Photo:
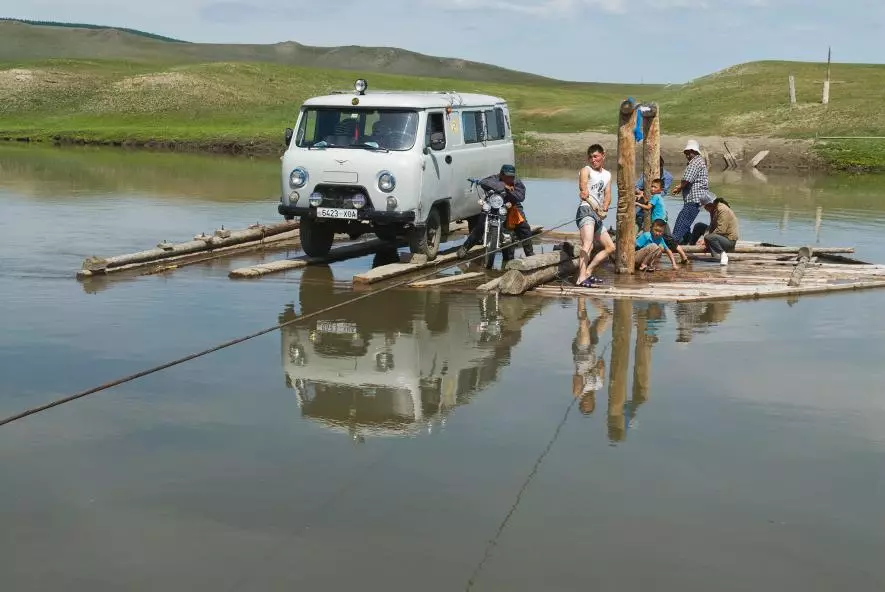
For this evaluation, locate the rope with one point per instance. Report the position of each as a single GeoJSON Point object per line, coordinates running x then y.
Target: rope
{"type": "Point", "coordinates": [226, 344]}
{"type": "Point", "coordinates": [493, 542]}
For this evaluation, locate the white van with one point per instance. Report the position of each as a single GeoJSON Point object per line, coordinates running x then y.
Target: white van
{"type": "Point", "coordinates": [392, 163]}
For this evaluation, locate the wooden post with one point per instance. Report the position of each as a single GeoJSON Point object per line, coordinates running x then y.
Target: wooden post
{"type": "Point", "coordinates": [826, 98]}
{"type": "Point", "coordinates": [792, 90]}
{"type": "Point", "coordinates": [626, 217]}
{"type": "Point", "coordinates": [620, 364]}
{"type": "Point", "coordinates": [651, 154]}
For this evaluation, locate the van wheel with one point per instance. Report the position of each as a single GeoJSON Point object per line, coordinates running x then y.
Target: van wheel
{"type": "Point", "coordinates": [426, 240]}
{"type": "Point", "coordinates": [316, 237]}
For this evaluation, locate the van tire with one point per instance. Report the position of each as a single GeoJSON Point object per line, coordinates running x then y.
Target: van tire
{"type": "Point", "coordinates": [425, 240]}
{"type": "Point", "coordinates": [316, 237]}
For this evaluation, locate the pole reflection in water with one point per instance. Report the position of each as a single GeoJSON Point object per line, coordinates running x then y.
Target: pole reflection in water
{"type": "Point", "coordinates": [589, 357]}
{"type": "Point", "coordinates": [396, 364]}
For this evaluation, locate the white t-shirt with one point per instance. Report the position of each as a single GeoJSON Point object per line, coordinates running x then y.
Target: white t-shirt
{"type": "Point", "coordinates": [597, 181]}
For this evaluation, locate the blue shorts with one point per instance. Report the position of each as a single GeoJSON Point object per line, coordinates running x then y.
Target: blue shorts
{"type": "Point", "coordinates": [585, 215]}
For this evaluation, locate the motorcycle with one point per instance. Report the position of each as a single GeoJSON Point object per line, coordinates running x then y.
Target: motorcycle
{"type": "Point", "coordinates": [495, 233]}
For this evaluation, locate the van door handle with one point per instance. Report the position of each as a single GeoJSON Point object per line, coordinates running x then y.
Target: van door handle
{"type": "Point", "coordinates": [448, 159]}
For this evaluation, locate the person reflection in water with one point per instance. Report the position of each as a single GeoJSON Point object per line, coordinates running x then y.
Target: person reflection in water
{"type": "Point", "coordinates": [589, 374]}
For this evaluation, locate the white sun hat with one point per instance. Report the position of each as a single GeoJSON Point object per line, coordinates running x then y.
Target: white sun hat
{"type": "Point", "coordinates": [692, 145]}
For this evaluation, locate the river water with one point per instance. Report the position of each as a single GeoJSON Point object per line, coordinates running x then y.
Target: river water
{"type": "Point", "coordinates": [418, 439]}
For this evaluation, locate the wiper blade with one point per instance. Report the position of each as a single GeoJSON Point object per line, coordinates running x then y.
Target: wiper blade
{"type": "Point", "coordinates": [370, 146]}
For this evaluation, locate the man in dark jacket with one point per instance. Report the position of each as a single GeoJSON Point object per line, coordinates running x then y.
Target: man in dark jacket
{"type": "Point", "coordinates": [513, 191]}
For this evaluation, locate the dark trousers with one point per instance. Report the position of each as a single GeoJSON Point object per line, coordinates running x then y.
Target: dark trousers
{"type": "Point", "coordinates": [684, 220]}
{"type": "Point", "coordinates": [716, 243]}
{"type": "Point", "coordinates": [522, 231]}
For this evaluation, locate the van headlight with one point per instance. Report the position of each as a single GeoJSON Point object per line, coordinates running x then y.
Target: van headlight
{"type": "Point", "coordinates": [496, 201]}
{"type": "Point", "coordinates": [386, 181]}
{"type": "Point", "coordinates": [297, 178]}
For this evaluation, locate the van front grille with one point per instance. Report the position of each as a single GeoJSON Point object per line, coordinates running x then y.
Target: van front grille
{"type": "Point", "coordinates": [338, 196]}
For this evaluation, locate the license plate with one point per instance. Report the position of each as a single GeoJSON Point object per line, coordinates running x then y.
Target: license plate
{"type": "Point", "coordinates": [336, 327]}
{"type": "Point", "coordinates": [340, 213]}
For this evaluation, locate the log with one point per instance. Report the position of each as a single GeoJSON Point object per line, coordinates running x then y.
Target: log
{"type": "Point", "coordinates": [346, 252]}
{"type": "Point", "coordinates": [223, 238]}
{"type": "Point", "coordinates": [538, 261]}
{"type": "Point", "coordinates": [758, 158]}
{"type": "Point", "coordinates": [515, 282]}
{"type": "Point", "coordinates": [626, 210]}
{"type": "Point", "coordinates": [490, 286]}
{"type": "Point", "coordinates": [651, 157]}
{"type": "Point", "coordinates": [449, 279]}
{"type": "Point", "coordinates": [799, 270]}
{"type": "Point", "coordinates": [284, 240]}
{"type": "Point", "coordinates": [773, 250]}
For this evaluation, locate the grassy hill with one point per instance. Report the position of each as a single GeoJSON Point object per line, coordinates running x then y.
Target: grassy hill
{"type": "Point", "coordinates": [204, 102]}
{"type": "Point", "coordinates": [22, 41]}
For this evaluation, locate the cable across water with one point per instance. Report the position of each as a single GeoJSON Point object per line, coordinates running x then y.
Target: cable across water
{"type": "Point", "coordinates": [226, 344]}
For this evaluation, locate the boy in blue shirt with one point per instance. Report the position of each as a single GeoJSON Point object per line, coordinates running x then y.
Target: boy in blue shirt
{"type": "Point", "coordinates": [655, 207]}
{"type": "Point", "coordinates": [650, 246]}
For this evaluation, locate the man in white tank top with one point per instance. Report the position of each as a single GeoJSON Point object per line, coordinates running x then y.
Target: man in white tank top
{"type": "Point", "coordinates": [594, 184]}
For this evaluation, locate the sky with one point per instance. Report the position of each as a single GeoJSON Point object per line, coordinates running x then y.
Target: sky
{"type": "Point", "coordinates": [651, 41]}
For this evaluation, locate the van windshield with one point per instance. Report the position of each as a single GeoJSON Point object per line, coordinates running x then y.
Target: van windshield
{"type": "Point", "coordinates": [337, 127]}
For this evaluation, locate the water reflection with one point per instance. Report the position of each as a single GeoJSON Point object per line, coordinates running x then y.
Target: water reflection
{"type": "Point", "coordinates": [395, 366]}
{"type": "Point", "coordinates": [589, 356]}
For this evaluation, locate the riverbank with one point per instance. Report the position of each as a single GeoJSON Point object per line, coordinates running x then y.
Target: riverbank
{"type": "Point", "coordinates": [552, 149]}
{"type": "Point", "coordinates": [243, 108]}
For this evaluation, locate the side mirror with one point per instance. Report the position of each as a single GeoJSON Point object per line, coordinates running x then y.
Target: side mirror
{"type": "Point", "coordinates": [288, 138]}
{"type": "Point", "coordinates": [437, 140]}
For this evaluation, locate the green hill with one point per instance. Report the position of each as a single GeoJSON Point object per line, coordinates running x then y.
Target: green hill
{"type": "Point", "coordinates": [212, 96]}
{"type": "Point", "coordinates": [22, 41]}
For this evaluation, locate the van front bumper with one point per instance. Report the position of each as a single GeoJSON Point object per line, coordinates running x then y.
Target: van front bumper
{"type": "Point", "coordinates": [368, 215]}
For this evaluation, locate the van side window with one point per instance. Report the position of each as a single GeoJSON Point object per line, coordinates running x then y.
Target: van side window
{"type": "Point", "coordinates": [499, 115]}
{"type": "Point", "coordinates": [472, 123]}
{"type": "Point", "coordinates": [435, 125]}
{"type": "Point", "coordinates": [493, 124]}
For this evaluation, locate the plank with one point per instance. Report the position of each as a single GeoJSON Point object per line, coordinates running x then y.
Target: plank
{"type": "Point", "coordinates": [449, 279]}
{"type": "Point", "coordinates": [359, 249]}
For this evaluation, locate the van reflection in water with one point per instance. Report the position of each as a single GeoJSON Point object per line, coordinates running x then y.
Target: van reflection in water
{"type": "Point", "coordinates": [398, 363]}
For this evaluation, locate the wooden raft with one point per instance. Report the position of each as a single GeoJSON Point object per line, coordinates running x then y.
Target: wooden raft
{"type": "Point", "coordinates": [737, 281]}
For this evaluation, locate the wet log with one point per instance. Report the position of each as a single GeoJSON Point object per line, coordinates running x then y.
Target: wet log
{"type": "Point", "coordinates": [515, 282]}
{"type": "Point", "coordinates": [346, 252]}
{"type": "Point", "coordinates": [221, 238]}
{"type": "Point", "coordinates": [449, 279]}
{"type": "Point", "coordinates": [490, 286]}
{"type": "Point", "coordinates": [775, 250]}
{"type": "Point", "coordinates": [626, 216]}
{"type": "Point", "coordinates": [799, 270]}
{"type": "Point", "coordinates": [539, 261]}
{"type": "Point", "coordinates": [651, 157]}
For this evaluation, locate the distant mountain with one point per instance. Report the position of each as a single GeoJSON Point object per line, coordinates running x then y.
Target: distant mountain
{"type": "Point", "coordinates": [32, 40]}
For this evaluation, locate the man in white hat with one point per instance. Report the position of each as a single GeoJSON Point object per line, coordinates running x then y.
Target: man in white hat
{"type": "Point", "coordinates": [694, 185]}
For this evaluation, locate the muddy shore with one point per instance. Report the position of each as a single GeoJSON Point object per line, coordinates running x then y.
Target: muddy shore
{"type": "Point", "coordinates": [783, 154]}
{"type": "Point", "coordinates": [534, 149]}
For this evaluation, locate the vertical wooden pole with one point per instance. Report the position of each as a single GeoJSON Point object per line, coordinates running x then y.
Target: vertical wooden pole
{"type": "Point", "coordinates": [622, 326]}
{"type": "Point", "coordinates": [792, 90]}
{"type": "Point", "coordinates": [651, 155]}
{"type": "Point", "coordinates": [626, 217]}
{"type": "Point", "coordinates": [826, 98]}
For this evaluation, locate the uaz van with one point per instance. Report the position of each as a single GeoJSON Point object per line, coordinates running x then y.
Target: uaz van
{"type": "Point", "coordinates": [392, 163]}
